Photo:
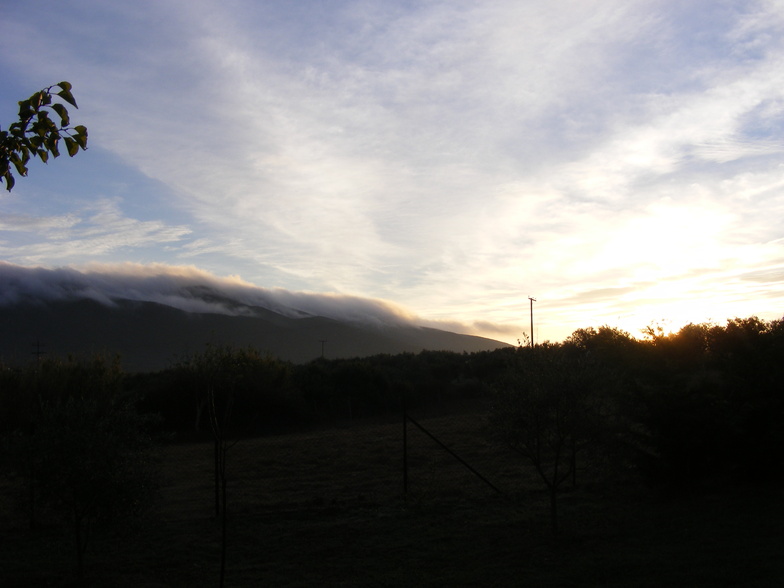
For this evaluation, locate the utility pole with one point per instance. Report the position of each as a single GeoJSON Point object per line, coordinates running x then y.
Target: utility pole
{"type": "Point", "coordinates": [532, 319]}
{"type": "Point", "coordinates": [322, 341]}
{"type": "Point", "coordinates": [38, 353]}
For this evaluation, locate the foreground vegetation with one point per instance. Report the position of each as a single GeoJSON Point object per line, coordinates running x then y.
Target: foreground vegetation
{"type": "Point", "coordinates": [617, 462]}
{"type": "Point", "coordinates": [325, 508]}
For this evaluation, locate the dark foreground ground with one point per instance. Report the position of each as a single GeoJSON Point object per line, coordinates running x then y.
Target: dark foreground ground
{"type": "Point", "coordinates": [327, 509]}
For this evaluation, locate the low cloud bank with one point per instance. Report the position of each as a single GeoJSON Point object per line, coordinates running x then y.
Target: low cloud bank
{"type": "Point", "coordinates": [192, 290]}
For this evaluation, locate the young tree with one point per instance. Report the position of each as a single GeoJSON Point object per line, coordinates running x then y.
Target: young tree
{"type": "Point", "coordinates": [37, 134]}
{"type": "Point", "coordinates": [219, 372]}
{"type": "Point", "coordinates": [547, 410]}
{"type": "Point", "coordinates": [89, 452]}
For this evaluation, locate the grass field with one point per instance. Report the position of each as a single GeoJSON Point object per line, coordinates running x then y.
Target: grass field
{"type": "Point", "coordinates": [326, 508]}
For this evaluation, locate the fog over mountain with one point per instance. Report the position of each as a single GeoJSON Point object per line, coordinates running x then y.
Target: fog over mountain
{"type": "Point", "coordinates": [185, 288]}
{"type": "Point", "coordinates": [153, 314]}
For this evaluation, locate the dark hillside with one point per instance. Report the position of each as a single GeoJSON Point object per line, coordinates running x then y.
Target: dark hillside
{"type": "Point", "coordinates": [151, 336]}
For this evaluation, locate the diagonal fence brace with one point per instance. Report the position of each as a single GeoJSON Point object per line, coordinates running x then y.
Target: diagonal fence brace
{"type": "Point", "coordinates": [453, 454]}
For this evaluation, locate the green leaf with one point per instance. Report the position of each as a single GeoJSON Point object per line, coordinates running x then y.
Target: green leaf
{"type": "Point", "coordinates": [17, 129]}
{"type": "Point", "coordinates": [39, 128]}
{"type": "Point", "coordinates": [63, 112]}
{"type": "Point", "coordinates": [43, 154]}
{"type": "Point", "coordinates": [65, 86]}
{"type": "Point", "coordinates": [81, 136]}
{"type": "Point", "coordinates": [9, 181]}
{"type": "Point", "coordinates": [66, 95]}
{"type": "Point", "coordinates": [18, 164]}
{"type": "Point", "coordinates": [51, 145]}
{"type": "Point", "coordinates": [25, 110]}
{"type": "Point", "coordinates": [71, 145]}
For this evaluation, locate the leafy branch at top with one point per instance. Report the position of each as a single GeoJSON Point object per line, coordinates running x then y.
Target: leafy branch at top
{"type": "Point", "coordinates": [38, 134]}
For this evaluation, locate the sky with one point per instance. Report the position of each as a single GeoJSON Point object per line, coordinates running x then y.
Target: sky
{"type": "Point", "coordinates": [622, 162]}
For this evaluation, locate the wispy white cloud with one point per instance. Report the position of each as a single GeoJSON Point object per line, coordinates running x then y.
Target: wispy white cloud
{"type": "Point", "coordinates": [97, 231]}
{"type": "Point", "coordinates": [455, 157]}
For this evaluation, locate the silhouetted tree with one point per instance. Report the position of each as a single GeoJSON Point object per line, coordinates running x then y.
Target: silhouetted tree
{"type": "Point", "coordinates": [220, 374]}
{"type": "Point", "coordinates": [89, 451]}
{"type": "Point", "coordinates": [614, 348]}
{"type": "Point", "coordinates": [708, 405]}
{"type": "Point", "coordinates": [547, 409]}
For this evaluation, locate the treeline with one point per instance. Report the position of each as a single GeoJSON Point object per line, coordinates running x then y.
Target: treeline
{"type": "Point", "coordinates": [700, 408]}
{"type": "Point", "coordinates": [696, 407]}
{"type": "Point", "coordinates": [267, 395]}
{"type": "Point", "coordinates": [702, 402]}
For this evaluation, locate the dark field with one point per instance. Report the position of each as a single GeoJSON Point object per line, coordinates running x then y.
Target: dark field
{"type": "Point", "coordinates": [326, 508]}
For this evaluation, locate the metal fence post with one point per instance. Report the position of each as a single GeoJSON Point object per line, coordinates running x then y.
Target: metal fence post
{"type": "Point", "coordinates": [405, 449]}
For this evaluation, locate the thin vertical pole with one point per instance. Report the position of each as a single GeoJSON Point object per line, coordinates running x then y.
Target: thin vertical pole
{"type": "Point", "coordinates": [217, 467]}
{"type": "Point", "coordinates": [532, 319]}
{"type": "Point", "coordinates": [405, 449]}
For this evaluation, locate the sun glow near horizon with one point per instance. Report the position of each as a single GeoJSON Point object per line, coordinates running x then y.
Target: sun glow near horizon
{"type": "Point", "coordinates": [441, 156]}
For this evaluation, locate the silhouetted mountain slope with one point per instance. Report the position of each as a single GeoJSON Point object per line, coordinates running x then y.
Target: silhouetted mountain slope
{"type": "Point", "coordinates": [151, 336]}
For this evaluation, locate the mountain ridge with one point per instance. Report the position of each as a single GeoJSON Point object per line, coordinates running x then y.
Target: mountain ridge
{"type": "Point", "coordinates": [150, 335]}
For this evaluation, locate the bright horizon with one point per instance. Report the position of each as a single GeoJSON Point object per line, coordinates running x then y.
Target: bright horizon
{"type": "Point", "coordinates": [619, 161]}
